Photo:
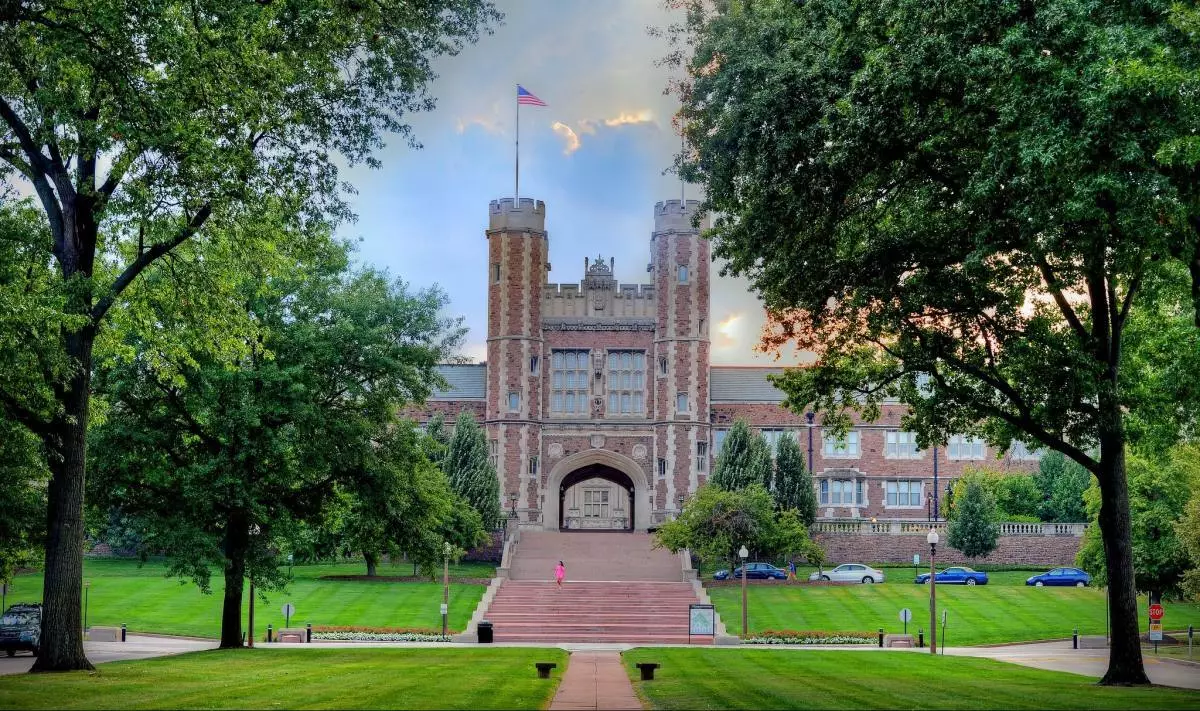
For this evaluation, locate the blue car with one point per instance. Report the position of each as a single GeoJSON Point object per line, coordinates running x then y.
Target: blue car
{"type": "Point", "coordinates": [1061, 576]}
{"type": "Point", "coordinates": [958, 575]}
{"type": "Point", "coordinates": [755, 571]}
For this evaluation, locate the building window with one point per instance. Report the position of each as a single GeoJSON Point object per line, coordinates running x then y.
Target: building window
{"type": "Point", "coordinates": [662, 366]}
{"type": "Point", "coordinates": [535, 364]}
{"type": "Point", "coordinates": [901, 445]}
{"type": "Point", "coordinates": [533, 466]}
{"type": "Point", "coordinates": [494, 453]}
{"type": "Point", "coordinates": [701, 456]}
{"type": "Point", "coordinates": [701, 329]}
{"type": "Point", "coordinates": [662, 469]}
{"type": "Point", "coordinates": [719, 441]}
{"type": "Point", "coordinates": [682, 273]}
{"type": "Point", "coordinates": [681, 403]}
{"type": "Point", "coordinates": [841, 492]}
{"type": "Point", "coordinates": [772, 436]}
{"type": "Point", "coordinates": [903, 493]}
{"type": "Point", "coordinates": [495, 272]}
{"type": "Point", "coordinates": [514, 401]}
{"type": "Point", "coordinates": [845, 449]}
{"type": "Point", "coordinates": [569, 382]}
{"type": "Point", "coordinates": [1021, 453]}
{"type": "Point", "coordinates": [626, 382]}
{"type": "Point", "coordinates": [964, 447]}
{"type": "Point", "coordinates": [595, 503]}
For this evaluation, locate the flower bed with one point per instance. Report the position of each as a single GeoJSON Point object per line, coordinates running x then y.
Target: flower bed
{"type": "Point", "coordinates": [342, 633]}
{"type": "Point", "coordinates": [811, 637]}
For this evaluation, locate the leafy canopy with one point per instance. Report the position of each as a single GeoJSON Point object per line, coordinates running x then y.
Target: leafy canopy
{"type": "Point", "coordinates": [973, 530]}
{"type": "Point", "coordinates": [745, 459]}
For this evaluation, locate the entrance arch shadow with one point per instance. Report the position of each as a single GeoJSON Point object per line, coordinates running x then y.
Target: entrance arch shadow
{"type": "Point", "coordinates": [604, 464]}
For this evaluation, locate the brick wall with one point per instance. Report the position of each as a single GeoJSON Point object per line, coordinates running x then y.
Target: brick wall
{"type": "Point", "coordinates": [1038, 550]}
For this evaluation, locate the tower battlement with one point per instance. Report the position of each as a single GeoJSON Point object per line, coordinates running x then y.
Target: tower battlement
{"type": "Point", "coordinates": [507, 214]}
{"type": "Point", "coordinates": [676, 215]}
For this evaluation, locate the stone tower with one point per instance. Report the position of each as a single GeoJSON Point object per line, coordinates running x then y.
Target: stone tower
{"type": "Point", "coordinates": [518, 250]}
{"type": "Point", "coordinates": [681, 348]}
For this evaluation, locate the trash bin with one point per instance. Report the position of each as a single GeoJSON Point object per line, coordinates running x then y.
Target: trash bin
{"type": "Point", "coordinates": [485, 632]}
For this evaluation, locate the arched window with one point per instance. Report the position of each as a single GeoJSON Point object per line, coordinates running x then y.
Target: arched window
{"type": "Point", "coordinates": [683, 274]}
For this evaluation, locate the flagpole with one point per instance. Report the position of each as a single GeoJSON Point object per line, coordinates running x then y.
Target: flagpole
{"type": "Point", "coordinates": [517, 172]}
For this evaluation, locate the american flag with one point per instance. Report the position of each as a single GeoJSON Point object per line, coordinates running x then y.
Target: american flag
{"type": "Point", "coordinates": [524, 97]}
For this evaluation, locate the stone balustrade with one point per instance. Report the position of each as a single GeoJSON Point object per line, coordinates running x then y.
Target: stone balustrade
{"type": "Point", "coordinates": [908, 527]}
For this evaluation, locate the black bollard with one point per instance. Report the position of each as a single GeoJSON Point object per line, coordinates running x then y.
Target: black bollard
{"type": "Point", "coordinates": [122, 631]}
{"type": "Point", "coordinates": [921, 638]}
{"type": "Point", "coordinates": [1075, 638]}
{"type": "Point", "coordinates": [881, 637]}
{"type": "Point", "coordinates": [270, 635]}
{"type": "Point", "coordinates": [308, 632]}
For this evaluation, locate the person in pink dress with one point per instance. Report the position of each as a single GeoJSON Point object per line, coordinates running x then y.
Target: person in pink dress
{"type": "Point", "coordinates": [559, 573]}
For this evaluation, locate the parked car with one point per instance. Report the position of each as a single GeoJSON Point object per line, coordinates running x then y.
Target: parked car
{"type": "Point", "coordinates": [755, 571]}
{"type": "Point", "coordinates": [958, 575]}
{"type": "Point", "coordinates": [1061, 576]}
{"type": "Point", "coordinates": [21, 628]}
{"type": "Point", "coordinates": [850, 573]}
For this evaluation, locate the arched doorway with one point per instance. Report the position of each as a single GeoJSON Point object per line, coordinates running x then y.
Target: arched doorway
{"type": "Point", "coordinates": [596, 497]}
{"type": "Point", "coordinates": [639, 509]}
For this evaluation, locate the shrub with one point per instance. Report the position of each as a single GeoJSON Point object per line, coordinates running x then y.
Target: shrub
{"type": "Point", "coordinates": [811, 637]}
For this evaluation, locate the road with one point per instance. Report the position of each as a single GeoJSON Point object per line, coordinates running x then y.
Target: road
{"type": "Point", "coordinates": [134, 647]}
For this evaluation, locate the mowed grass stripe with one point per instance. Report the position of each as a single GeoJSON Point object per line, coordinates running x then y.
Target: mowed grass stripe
{"type": "Point", "coordinates": [495, 678]}
{"type": "Point", "coordinates": [976, 615]}
{"type": "Point", "coordinates": [783, 679]}
{"type": "Point", "coordinates": [144, 600]}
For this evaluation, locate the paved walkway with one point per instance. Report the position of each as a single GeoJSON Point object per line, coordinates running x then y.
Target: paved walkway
{"type": "Point", "coordinates": [135, 647]}
{"type": "Point", "coordinates": [595, 680]}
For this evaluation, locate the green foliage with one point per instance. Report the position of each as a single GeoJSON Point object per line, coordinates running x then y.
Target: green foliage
{"type": "Point", "coordinates": [1016, 496]}
{"type": "Point", "coordinates": [745, 459]}
{"type": "Point", "coordinates": [469, 468]}
{"type": "Point", "coordinates": [1187, 529]}
{"type": "Point", "coordinates": [1061, 482]}
{"type": "Point", "coordinates": [437, 438]}
{"type": "Point", "coordinates": [793, 482]}
{"type": "Point", "coordinates": [1159, 488]}
{"type": "Point", "coordinates": [715, 522]}
{"type": "Point", "coordinates": [973, 530]}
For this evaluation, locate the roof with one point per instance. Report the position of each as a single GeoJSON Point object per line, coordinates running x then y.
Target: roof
{"type": "Point", "coordinates": [466, 382]}
{"type": "Point", "coordinates": [740, 384]}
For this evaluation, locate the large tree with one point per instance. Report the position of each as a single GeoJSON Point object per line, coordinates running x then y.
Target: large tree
{"type": "Point", "coordinates": [219, 459]}
{"type": "Point", "coordinates": [744, 460]}
{"type": "Point", "coordinates": [143, 124]}
{"type": "Point", "coordinates": [469, 468]}
{"type": "Point", "coordinates": [793, 482]}
{"type": "Point", "coordinates": [956, 204]}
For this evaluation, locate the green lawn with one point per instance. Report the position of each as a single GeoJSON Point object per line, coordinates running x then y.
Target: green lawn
{"type": "Point", "coordinates": [790, 679]}
{"type": "Point", "coordinates": [498, 678]}
{"type": "Point", "coordinates": [987, 614]}
{"type": "Point", "coordinates": [140, 597]}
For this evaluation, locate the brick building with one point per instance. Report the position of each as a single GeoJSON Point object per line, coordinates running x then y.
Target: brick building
{"type": "Point", "coordinates": [602, 410]}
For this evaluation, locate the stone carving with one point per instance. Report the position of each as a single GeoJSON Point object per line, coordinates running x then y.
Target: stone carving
{"type": "Point", "coordinates": [639, 452]}
{"type": "Point", "coordinates": [597, 441]}
{"type": "Point", "coordinates": [599, 267]}
{"type": "Point", "coordinates": [555, 450]}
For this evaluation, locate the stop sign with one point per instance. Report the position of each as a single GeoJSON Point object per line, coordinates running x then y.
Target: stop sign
{"type": "Point", "coordinates": [1156, 611]}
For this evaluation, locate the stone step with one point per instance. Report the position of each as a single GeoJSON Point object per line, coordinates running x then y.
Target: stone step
{"type": "Point", "coordinates": [605, 638]}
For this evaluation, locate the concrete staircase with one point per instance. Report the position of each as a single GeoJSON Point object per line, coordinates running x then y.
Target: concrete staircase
{"type": "Point", "coordinates": [618, 589]}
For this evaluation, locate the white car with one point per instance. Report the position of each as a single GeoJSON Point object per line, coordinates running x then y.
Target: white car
{"type": "Point", "coordinates": [850, 573]}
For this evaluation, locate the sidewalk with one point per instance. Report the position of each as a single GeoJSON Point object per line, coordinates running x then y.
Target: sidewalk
{"type": "Point", "coordinates": [595, 680]}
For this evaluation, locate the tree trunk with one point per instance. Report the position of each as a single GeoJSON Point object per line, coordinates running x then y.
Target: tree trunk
{"type": "Point", "coordinates": [1125, 649]}
{"type": "Point", "coordinates": [372, 562]}
{"type": "Point", "coordinates": [62, 587]}
{"type": "Point", "coordinates": [237, 539]}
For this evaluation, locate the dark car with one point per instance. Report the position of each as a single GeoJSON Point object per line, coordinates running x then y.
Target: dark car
{"type": "Point", "coordinates": [21, 628]}
{"type": "Point", "coordinates": [1071, 577]}
{"type": "Point", "coordinates": [958, 575]}
{"type": "Point", "coordinates": [755, 571]}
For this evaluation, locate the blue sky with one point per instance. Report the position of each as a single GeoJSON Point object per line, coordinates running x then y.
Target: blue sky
{"type": "Point", "coordinates": [596, 155]}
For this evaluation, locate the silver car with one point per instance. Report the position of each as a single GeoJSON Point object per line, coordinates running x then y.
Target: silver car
{"type": "Point", "coordinates": [850, 573]}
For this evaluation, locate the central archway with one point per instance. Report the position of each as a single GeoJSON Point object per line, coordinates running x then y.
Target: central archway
{"type": "Point", "coordinates": [622, 518]}
{"type": "Point", "coordinates": [601, 464]}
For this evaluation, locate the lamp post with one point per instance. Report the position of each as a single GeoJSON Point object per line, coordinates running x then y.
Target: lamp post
{"type": "Point", "coordinates": [932, 539]}
{"type": "Point", "coordinates": [744, 554]}
{"type": "Point", "coordinates": [86, 585]}
{"type": "Point", "coordinates": [935, 484]}
{"type": "Point", "coordinates": [679, 509]}
{"type": "Point", "coordinates": [254, 531]}
{"type": "Point", "coordinates": [512, 504]}
{"type": "Point", "coordinates": [810, 417]}
{"type": "Point", "coordinates": [445, 585]}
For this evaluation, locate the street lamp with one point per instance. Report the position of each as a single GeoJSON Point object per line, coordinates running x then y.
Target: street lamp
{"type": "Point", "coordinates": [445, 585]}
{"type": "Point", "coordinates": [86, 585]}
{"type": "Point", "coordinates": [810, 417]}
{"type": "Point", "coordinates": [744, 554]}
{"type": "Point", "coordinates": [932, 539]}
{"type": "Point", "coordinates": [512, 503]}
{"type": "Point", "coordinates": [679, 509]}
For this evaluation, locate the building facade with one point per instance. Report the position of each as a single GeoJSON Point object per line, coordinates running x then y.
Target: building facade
{"type": "Point", "coordinates": [602, 410]}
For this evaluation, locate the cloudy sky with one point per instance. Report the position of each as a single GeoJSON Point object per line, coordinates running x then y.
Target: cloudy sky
{"type": "Point", "coordinates": [596, 155]}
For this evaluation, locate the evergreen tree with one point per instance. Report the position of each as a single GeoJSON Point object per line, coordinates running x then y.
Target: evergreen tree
{"type": "Point", "coordinates": [745, 459]}
{"type": "Point", "coordinates": [437, 438]}
{"type": "Point", "coordinates": [973, 529]}
{"type": "Point", "coordinates": [471, 474]}
{"type": "Point", "coordinates": [793, 482]}
{"type": "Point", "coordinates": [1062, 482]}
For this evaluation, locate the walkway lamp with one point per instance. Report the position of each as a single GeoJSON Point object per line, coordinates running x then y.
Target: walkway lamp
{"type": "Point", "coordinates": [932, 539]}
{"type": "Point", "coordinates": [744, 554]}
{"type": "Point", "coordinates": [445, 585]}
{"type": "Point", "coordinates": [512, 504]}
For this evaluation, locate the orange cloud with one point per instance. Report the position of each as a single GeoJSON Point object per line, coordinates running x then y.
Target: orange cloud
{"type": "Point", "coordinates": [571, 138]}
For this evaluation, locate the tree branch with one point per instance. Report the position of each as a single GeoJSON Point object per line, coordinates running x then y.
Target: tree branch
{"type": "Point", "coordinates": [145, 259]}
{"type": "Point", "coordinates": [36, 170]}
{"type": "Point", "coordinates": [25, 416]}
{"type": "Point", "coordinates": [1063, 306]}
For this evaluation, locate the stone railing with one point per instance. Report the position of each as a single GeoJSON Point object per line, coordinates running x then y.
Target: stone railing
{"type": "Point", "coordinates": [908, 527]}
